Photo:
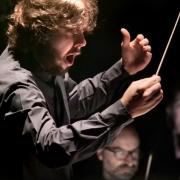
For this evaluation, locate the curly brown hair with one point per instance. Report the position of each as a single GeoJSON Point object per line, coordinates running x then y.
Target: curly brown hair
{"type": "Point", "coordinates": [35, 21]}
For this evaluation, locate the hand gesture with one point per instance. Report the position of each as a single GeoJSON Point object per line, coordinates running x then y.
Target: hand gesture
{"type": "Point", "coordinates": [136, 54]}
{"type": "Point", "coordinates": [142, 96]}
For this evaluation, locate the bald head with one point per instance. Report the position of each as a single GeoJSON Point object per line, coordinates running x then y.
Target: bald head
{"type": "Point", "coordinates": [128, 139]}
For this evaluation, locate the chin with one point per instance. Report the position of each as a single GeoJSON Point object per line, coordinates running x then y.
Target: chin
{"type": "Point", "coordinates": [62, 71]}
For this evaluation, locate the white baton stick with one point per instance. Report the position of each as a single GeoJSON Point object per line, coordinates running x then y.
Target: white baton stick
{"type": "Point", "coordinates": [162, 59]}
{"type": "Point", "coordinates": [148, 166]}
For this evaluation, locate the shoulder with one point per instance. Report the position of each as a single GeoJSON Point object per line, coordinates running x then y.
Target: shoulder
{"type": "Point", "coordinates": [12, 74]}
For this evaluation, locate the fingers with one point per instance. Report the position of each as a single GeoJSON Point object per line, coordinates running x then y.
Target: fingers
{"type": "Point", "coordinates": [139, 38]}
{"type": "Point", "coordinates": [146, 83]}
{"type": "Point", "coordinates": [142, 42]}
{"type": "Point", "coordinates": [147, 48]}
{"type": "Point", "coordinates": [152, 92]}
{"type": "Point", "coordinates": [155, 99]}
{"type": "Point", "coordinates": [126, 37]}
{"type": "Point", "coordinates": [142, 96]}
{"type": "Point", "coordinates": [149, 56]}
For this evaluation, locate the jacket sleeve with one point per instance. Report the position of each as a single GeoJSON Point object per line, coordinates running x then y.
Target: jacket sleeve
{"type": "Point", "coordinates": [58, 146]}
{"type": "Point", "coordinates": [94, 94]}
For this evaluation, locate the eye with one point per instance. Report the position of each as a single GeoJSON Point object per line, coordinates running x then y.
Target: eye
{"type": "Point", "coordinates": [135, 154]}
{"type": "Point", "coordinates": [120, 153]}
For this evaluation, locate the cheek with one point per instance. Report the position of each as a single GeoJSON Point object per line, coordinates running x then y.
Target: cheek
{"type": "Point", "coordinates": [137, 162]}
{"type": "Point", "coordinates": [59, 59]}
{"type": "Point", "coordinates": [112, 162]}
{"type": "Point", "coordinates": [61, 49]}
{"type": "Point", "coordinates": [59, 54]}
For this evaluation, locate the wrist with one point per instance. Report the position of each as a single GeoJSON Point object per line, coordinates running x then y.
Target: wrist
{"type": "Point", "coordinates": [130, 70]}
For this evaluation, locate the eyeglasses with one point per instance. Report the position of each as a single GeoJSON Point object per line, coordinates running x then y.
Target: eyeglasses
{"type": "Point", "coordinates": [121, 154]}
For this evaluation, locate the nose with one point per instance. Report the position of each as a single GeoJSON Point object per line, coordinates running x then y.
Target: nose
{"type": "Point", "coordinates": [130, 161]}
{"type": "Point", "coordinates": [80, 40]}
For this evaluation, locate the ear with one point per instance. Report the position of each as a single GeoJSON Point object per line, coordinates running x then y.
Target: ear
{"type": "Point", "coordinates": [99, 154]}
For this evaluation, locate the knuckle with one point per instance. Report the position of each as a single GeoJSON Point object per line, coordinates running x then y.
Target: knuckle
{"type": "Point", "coordinates": [134, 84]}
{"type": "Point", "coordinates": [145, 96]}
{"type": "Point", "coordinates": [147, 40]}
{"type": "Point", "coordinates": [158, 85]}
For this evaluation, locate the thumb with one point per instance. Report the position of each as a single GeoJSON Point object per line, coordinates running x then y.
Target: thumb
{"type": "Point", "coordinates": [126, 37]}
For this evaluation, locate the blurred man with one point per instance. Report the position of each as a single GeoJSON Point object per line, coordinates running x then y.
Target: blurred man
{"type": "Point", "coordinates": [120, 158]}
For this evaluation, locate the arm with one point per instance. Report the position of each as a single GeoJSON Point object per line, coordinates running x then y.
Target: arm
{"type": "Point", "coordinates": [70, 143]}
{"type": "Point", "coordinates": [104, 88]}
{"type": "Point", "coordinates": [93, 93]}
{"type": "Point", "coordinates": [59, 146]}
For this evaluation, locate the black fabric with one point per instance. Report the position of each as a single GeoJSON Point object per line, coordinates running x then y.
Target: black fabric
{"type": "Point", "coordinates": [61, 103]}
{"type": "Point", "coordinates": [37, 141]}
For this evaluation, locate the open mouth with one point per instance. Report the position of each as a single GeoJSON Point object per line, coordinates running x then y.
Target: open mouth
{"type": "Point", "coordinates": [70, 60]}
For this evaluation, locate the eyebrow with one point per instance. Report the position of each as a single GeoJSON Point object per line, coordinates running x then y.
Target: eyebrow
{"type": "Point", "coordinates": [116, 147]}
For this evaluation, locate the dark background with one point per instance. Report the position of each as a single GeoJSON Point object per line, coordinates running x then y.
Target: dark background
{"type": "Point", "coordinates": [155, 20]}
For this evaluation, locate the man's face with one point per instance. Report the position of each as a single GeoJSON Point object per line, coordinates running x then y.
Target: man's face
{"type": "Point", "coordinates": [65, 46]}
{"type": "Point", "coordinates": [121, 158]}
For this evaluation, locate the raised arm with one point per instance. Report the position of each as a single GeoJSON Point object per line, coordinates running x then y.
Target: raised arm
{"type": "Point", "coordinates": [94, 93]}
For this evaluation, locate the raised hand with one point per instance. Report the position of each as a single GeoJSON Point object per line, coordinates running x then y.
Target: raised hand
{"type": "Point", "coordinates": [136, 54]}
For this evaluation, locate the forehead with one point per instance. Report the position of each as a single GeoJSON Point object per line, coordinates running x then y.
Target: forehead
{"type": "Point", "coordinates": [126, 140]}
